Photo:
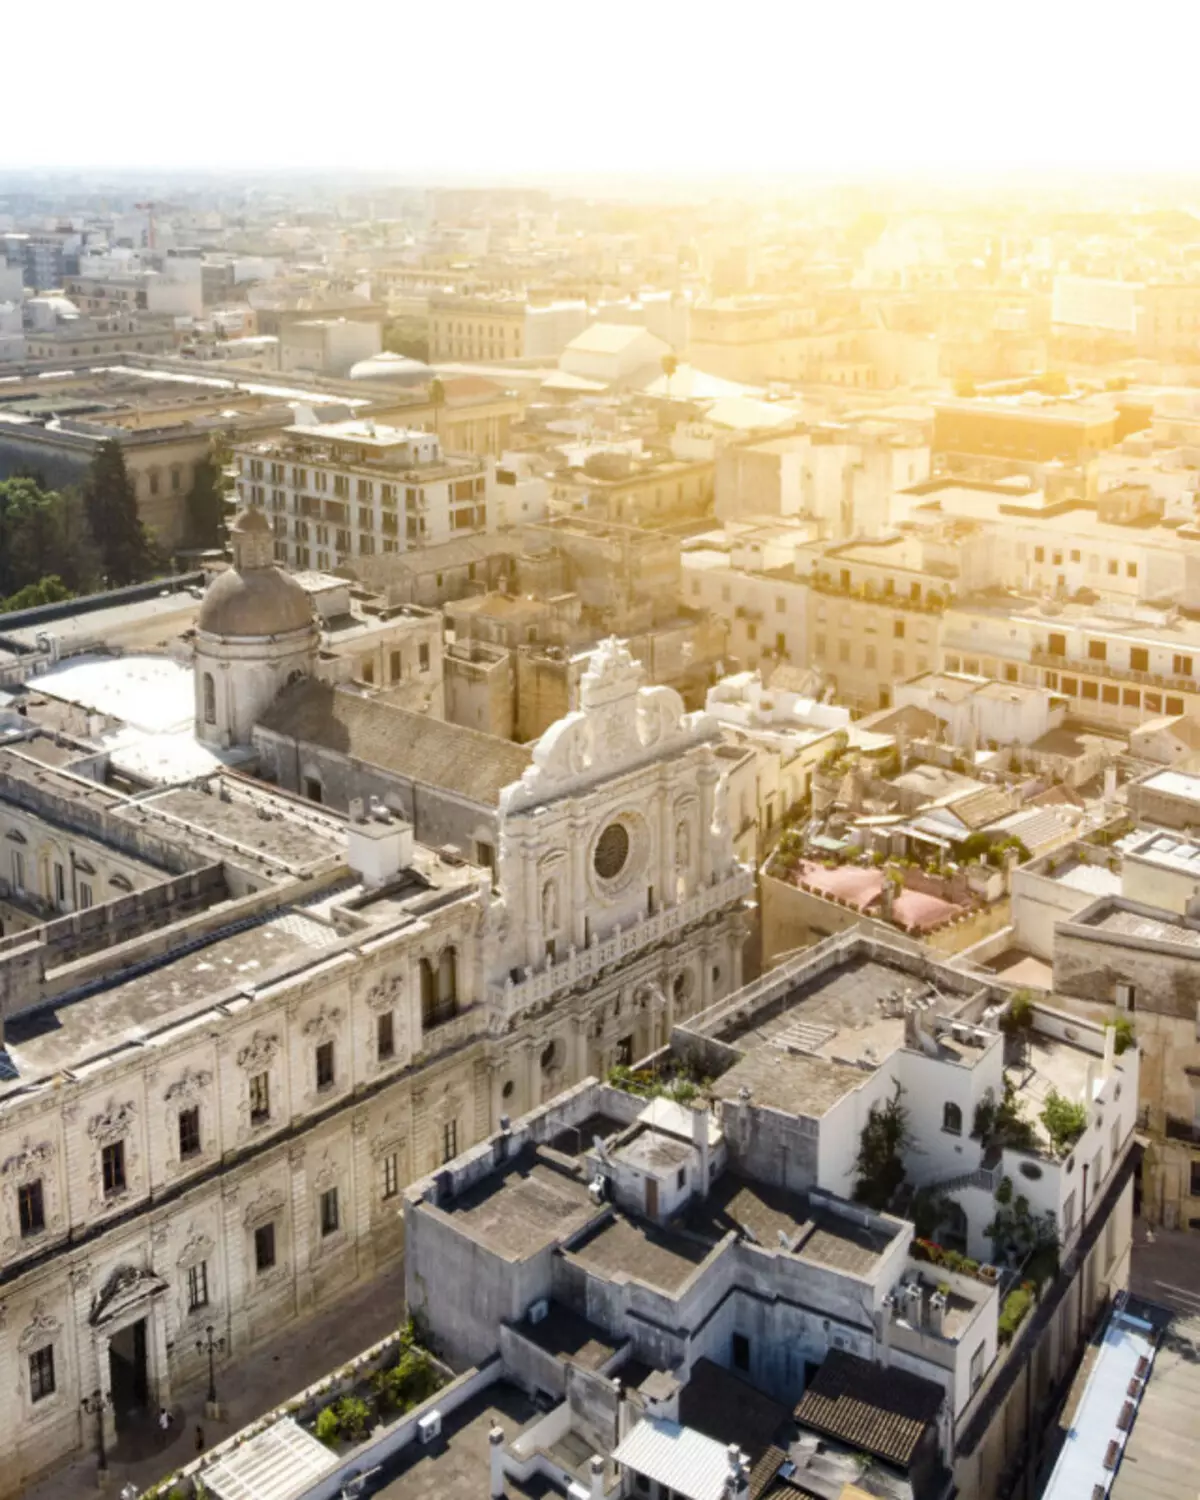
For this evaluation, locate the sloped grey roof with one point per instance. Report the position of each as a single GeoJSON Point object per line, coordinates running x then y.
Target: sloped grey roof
{"type": "Point", "coordinates": [448, 756]}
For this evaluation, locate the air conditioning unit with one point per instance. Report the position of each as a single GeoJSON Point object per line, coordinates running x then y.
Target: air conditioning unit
{"type": "Point", "coordinates": [597, 1190]}
{"type": "Point", "coordinates": [539, 1310]}
{"type": "Point", "coordinates": [429, 1426]}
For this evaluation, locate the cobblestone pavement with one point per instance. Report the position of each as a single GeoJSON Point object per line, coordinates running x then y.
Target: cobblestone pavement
{"type": "Point", "coordinates": [246, 1388]}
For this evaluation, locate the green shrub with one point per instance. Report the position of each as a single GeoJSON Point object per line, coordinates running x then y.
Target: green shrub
{"type": "Point", "coordinates": [1005, 1191]}
{"type": "Point", "coordinates": [1065, 1121]}
{"type": "Point", "coordinates": [328, 1428]}
{"type": "Point", "coordinates": [1125, 1035]}
{"type": "Point", "coordinates": [354, 1417]}
{"type": "Point", "coordinates": [1016, 1305]}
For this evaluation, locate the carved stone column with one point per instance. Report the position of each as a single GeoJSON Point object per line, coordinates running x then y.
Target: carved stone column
{"type": "Point", "coordinates": [534, 952]}
{"type": "Point", "coordinates": [300, 1228]}
{"type": "Point", "coordinates": [708, 776]}
{"type": "Point", "coordinates": [234, 1238]}
{"type": "Point", "coordinates": [362, 1188]}
{"type": "Point", "coordinates": [579, 886]}
{"type": "Point", "coordinates": [666, 850]}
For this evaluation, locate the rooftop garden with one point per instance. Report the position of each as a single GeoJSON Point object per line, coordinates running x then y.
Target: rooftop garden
{"type": "Point", "coordinates": [675, 1081]}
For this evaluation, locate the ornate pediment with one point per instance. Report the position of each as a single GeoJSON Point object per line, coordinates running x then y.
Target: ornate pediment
{"type": "Point", "coordinates": [386, 993]}
{"type": "Point", "coordinates": [112, 1123]}
{"type": "Point", "coordinates": [29, 1161]}
{"type": "Point", "coordinates": [41, 1329]}
{"type": "Point", "coordinates": [324, 1024]}
{"type": "Point", "coordinates": [268, 1203]}
{"type": "Point", "coordinates": [188, 1087]}
{"type": "Point", "coordinates": [126, 1287]}
{"type": "Point", "coordinates": [197, 1247]}
{"type": "Point", "coordinates": [619, 725]}
{"type": "Point", "coordinates": [259, 1052]}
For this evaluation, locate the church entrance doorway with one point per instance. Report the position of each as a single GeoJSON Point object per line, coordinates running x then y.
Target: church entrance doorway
{"type": "Point", "coordinates": [130, 1382]}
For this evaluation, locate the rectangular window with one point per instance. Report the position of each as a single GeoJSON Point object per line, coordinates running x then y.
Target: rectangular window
{"type": "Point", "coordinates": [396, 666]}
{"type": "Point", "coordinates": [977, 1359]}
{"type": "Point", "coordinates": [18, 870]}
{"type": "Point", "coordinates": [1139, 658]}
{"type": "Point", "coordinates": [1039, 554]}
{"type": "Point", "coordinates": [85, 895]}
{"type": "Point", "coordinates": [1181, 666]}
{"type": "Point", "coordinates": [60, 885]}
{"type": "Point", "coordinates": [1131, 570]}
{"type": "Point", "coordinates": [898, 630]}
{"type": "Point", "coordinates": [189, 1131]}
{"type": "Point", "coordinates": [41, 1373]}
{"type": "Point", "coordinates": [391, 1174]}
{"type": "Point", "coordinates": [1068, 1214]}
{"type": "Point", "coordinates": [264, 1247]}
{"type": "Point", "coordinates": [31, 1208]}
{"type": "Point", "coordinates": [1070, 686]}
{"type": "Point", "coordinates": [1090, 690]}
{"type": "Point", "coordinates": [260, 1098]}
{"type": "Point", "coordinates": [1097, 651]}
{"type": "Point", "coordinates": [329, 1211]}
{"type": "Point", "coordinates": [197, 1286]}
{"type": "Point", "coordinates": [112, 1164]}
{"type": "Point", "coordinates": [1113, 567]}
{"type": "Point", "coordinates": [423, 656]}
{"type": "Point", "coordinates": [1110, 694]}
{"type": "Point", "coordinates": [1174, 705]}
{"type": "Point", "coordinates": [385, 1035]}
{"type": "Point", "coordinates": [843, 651]}
{"type": "Point", "coordinates": [449, 1140]}
{"type": "Point", "coordinates": [1126, 997]}
{"type": "Point", "coordinates": [325, 1065]}
{"type": "Point", "coordinates": [741, 1352]}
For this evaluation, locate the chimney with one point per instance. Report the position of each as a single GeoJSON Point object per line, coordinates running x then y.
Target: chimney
{"type": "Point", "coordinates": [596, 1476]}
{"type": "Point", "coordinates": [1110, 1050]}
{"type": "Point", "coordinates": [887, 898]}
{"type": "Point", "coordinates": [937, 1312]}
{"type": "Point", "coordinates": [496, 1462]}
{"type": "Point", "coordinates": [700, 1118]}
{"type": "Point", "coordinates": [737, 1480]}
{"type": "Point", "coordinates": [379, 844]}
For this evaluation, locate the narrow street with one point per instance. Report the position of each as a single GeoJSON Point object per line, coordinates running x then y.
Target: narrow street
{"type": "Point", "coordinates": [246, 1388]}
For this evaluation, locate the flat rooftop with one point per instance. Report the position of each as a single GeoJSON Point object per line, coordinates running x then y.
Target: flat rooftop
{"type": "Point", "coordinates": [1127, 920]}
{"type": "Point", "coordinates": [458, 1467]}
{"type": "Point", "coordinates": [850, 1012]}
{"type": "Point", "coordinates": [530, 1206]}
{"type": "Point", "coordinates": [1162, 1453]}
{"type": "Point", "coordinates": [567, 1336]}
{"type": "Point", "coordinates": [625, 1248]}
{"type": "Point", "coordinates": [1174, 784]}
{"type": "Point", "coordinates": [814, 1231]}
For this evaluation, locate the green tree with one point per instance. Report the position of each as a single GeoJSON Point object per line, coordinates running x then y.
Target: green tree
{"type": "Point", "coordinates": [880, 1161]}
{"type": "Point", "coordinates": [48, 590]}
{"type": "Point", "coordinates": [1065, 1121]}
{"type": "Point", "coordinates": [206, 498]}
{"type": "Point", "coordinates": [112, 513]}
{"type": "Point", "coordinates": [44, 533]}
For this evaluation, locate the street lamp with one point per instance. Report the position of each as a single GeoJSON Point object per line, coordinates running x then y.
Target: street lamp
{"type": "Point", "coordinates": [94, 1406]}
{"type": "Point", "coordinates": [211, 1345]}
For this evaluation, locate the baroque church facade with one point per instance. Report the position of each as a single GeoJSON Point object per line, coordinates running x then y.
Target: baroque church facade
{"type": "Point", "coordinates": [308, 1012]}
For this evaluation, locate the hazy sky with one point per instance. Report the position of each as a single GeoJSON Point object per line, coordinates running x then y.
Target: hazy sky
{"type": "Point", "coordinates": [480, 87]}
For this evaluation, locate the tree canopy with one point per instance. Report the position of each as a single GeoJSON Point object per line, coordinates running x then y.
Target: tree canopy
{"type": "Point", "coordinates": [111, 504]}
{"type": "Point", "coordinates": [44, 536]}
{"type": "Point", "coordinates": [206, 498]}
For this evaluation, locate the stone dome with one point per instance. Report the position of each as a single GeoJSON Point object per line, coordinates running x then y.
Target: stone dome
{"type": "Point", "coordinates": [253, 598]}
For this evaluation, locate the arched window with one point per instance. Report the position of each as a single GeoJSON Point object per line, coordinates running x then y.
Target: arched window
{"type": "Point", "coordinates": [210, 699]}
{"type": "Point", "coordinates": [448, 978]}
{"type": "Point", "coordinates": [439, 988]}
{"type": "Point", "coordinates": [952, 1118]}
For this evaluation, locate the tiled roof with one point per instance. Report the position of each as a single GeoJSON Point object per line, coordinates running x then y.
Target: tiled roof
{"type": "Point", "coordinates": [883, 1412]}
{"type": "Point", "coordinates": [448, 756]}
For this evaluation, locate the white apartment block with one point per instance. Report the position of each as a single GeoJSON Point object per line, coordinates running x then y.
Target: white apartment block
{"type": "Point", "coordinates": [342, 490]}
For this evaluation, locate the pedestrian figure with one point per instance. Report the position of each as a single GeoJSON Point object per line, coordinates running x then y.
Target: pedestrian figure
{"type": "Point", "coordinates": [199, 1438]}
{"type": "Point", "coordinates": [164, 1418]}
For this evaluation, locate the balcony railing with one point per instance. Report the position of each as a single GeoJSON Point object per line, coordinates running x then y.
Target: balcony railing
{"type": "Point", "coordinates": [1089, 668]}
{"type": "Point", "coordinates": [509, 999]}
{"type": "Point", "coordinates": [933, 603]}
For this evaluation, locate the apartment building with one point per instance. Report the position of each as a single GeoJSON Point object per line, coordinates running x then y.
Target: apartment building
{"type": "Point", "coordinates": [479, 328]}
{"type": "Point", "coordinates": [1029, 428]}
{"type": "Point", "coordinates": [338, 491]}
{"type": "Point", "coordinates": [1120, 546]}
{"type": "Point", "coordinates": [707, 1241]}
{"type": "Point", "coordinates": [634, 489]}
{"type": "Point", "coordinates": [1115, 667]}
